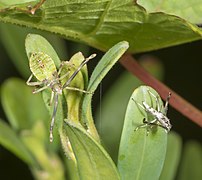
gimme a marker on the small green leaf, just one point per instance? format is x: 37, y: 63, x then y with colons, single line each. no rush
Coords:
x: 102, y: 68
x: 92, y: 160
x: 21, y: 106
x: 10, y: 140
x: 172, y: 157
x: 37, y: 43
x: 191, y: 164
x: 141, y: 153
x: 74, y: 98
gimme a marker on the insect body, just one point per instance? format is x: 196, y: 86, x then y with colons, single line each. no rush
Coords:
x: 159, y: 114
x: 44, y: 69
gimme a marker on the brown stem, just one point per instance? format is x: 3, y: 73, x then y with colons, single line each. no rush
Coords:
x: 176, y: 101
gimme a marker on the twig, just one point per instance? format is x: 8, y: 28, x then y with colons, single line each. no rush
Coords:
x: 177, y: 102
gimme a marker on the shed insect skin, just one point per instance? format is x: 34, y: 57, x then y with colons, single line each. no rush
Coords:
x: 32, y: 10
x: 28, y: 9
x: 43, y: 68
x: 160, y: 118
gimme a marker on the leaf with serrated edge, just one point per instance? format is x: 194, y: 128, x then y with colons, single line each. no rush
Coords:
x: 101, y: 24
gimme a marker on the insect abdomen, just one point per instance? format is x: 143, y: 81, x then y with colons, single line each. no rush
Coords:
x: 42, y: 66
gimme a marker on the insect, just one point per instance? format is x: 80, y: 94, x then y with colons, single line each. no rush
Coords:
x: 43, y: 68
x: 159, y: 114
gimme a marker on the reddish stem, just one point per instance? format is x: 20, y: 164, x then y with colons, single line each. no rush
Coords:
x: 176, y: 101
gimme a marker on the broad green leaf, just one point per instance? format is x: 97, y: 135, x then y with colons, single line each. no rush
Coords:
x: 11, y: 141
x: 119, y: 91
x: 102, y: 68
x: 92, y: 160
x: 21, y: 106
x: 101, y: 24
x: 142, y: 152
x: 172, y: 157
x: 189, y: 10
x: 191, y: 164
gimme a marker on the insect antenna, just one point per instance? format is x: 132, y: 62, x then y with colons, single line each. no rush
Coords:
x: 167, y: 101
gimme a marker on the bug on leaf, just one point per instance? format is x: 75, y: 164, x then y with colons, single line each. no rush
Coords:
x: 43, y: 68
x: 158, y: 113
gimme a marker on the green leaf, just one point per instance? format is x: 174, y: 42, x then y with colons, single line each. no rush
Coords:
x: 142, y: 152
x: 120, y: 91
x: 189, y: 10
x: 102, y: 68
x: 172, y: 157
x: 101, y: 24
x: 12, y: 2
x: 92, y: 160
x: 10, y: 140
x: 22, y: 107
x: 74, y: 98
x: 37, y: 43
x: 105, y: 119
x: 191, y: 165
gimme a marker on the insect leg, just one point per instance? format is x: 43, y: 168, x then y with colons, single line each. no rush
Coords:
x: 53, y: 116
x: 79, y: 68
x: 33, y: 83
x: 51, y: 99
x: 40, y: 89
x: 150, y: 122
x: 65, y: 75
x: 141, y: 126
x: 166, y: 104
x: 37, y: 6
x: 77, y: 89
x: 157, y: 100
x: 139, y: 105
